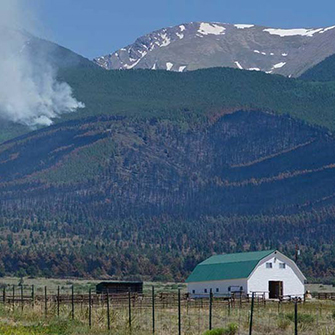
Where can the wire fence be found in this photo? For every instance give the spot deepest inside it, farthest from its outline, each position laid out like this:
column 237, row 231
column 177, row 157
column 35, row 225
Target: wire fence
column 170, row 312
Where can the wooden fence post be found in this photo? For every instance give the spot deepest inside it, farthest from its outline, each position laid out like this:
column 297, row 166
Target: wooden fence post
column 90, row 308
column 296, row 317
column 72, row 302
column 129, row 308
column 33, row 296
column 4, row 295
column 58, row 300
column 46, row 301
column 179, row 312
column 21, row 297
column 13, row 297
column 153, row 309
column 210, row 308
column 251, row 313
column 108, row 312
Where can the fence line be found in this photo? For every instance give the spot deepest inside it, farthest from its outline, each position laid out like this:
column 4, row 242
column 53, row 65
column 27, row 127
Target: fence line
column 158, row 313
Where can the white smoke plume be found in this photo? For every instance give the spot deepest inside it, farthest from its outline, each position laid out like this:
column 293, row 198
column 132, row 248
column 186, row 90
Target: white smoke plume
column 29, row 91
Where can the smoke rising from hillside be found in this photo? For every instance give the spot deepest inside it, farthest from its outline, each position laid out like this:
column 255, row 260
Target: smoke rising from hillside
column 29, row 91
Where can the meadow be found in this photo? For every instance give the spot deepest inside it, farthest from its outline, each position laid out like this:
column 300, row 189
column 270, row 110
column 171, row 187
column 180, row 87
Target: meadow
column 232, row 317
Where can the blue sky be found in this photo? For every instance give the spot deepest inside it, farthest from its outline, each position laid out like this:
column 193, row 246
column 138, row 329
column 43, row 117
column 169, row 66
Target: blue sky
column 94, row 28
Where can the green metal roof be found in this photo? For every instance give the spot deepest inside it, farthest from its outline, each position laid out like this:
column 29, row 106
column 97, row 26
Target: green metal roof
column 229, row 266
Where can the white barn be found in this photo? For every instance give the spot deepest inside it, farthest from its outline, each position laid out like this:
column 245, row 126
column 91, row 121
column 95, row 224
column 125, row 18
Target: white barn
column 263, row 272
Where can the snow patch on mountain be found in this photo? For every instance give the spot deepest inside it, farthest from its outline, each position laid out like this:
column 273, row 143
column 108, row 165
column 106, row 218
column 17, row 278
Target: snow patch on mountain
column 142, row 53
column 169, row 66
column 327, row 29
column 244, row 26
column 238, row 65
column 211, row 29
column 131, row 66
column 293, row 32
column 165, row 40
column 279, row 65
column 260, row 52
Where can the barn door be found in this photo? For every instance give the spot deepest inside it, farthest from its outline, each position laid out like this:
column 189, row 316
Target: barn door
column 275, row 289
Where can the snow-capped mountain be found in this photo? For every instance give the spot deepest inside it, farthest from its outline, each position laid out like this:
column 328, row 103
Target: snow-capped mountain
column 199, row 45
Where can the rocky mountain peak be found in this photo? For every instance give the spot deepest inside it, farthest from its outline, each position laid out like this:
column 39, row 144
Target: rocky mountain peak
column 197, row 45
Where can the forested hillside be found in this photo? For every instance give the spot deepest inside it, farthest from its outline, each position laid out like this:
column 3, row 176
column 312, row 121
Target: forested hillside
column 150, row 197
column 324, row 71
column 203, row 93
column 161, row 169
column 192, row 96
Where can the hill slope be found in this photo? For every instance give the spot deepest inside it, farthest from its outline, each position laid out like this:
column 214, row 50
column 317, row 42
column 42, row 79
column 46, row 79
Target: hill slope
column 58, row 57
column 162, row 169
column 207, row 165
column 197, row 45
column 324, row 71
column 198, row 94
column 191, row 95
column 150, row 197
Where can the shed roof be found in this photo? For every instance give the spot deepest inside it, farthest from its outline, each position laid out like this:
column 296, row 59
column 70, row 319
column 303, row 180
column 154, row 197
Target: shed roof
column 115, row 282
column 229, row 266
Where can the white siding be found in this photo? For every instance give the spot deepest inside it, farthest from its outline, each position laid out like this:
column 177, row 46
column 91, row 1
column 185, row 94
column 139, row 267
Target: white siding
column 293, row 281
column 222, row 285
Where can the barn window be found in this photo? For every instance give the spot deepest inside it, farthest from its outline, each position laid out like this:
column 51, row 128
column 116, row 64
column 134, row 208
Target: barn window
column 205, row 290
column 269, row 265
column 193, row 291
column 229, row 288
column 282, row 266
column 217, row 290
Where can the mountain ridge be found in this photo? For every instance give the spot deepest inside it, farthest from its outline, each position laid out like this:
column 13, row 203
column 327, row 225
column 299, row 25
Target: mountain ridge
column 196, row 45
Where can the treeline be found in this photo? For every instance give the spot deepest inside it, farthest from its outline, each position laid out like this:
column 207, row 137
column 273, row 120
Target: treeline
column 159, row 248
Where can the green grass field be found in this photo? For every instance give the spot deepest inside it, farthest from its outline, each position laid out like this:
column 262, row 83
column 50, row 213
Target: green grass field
column 315, row 317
